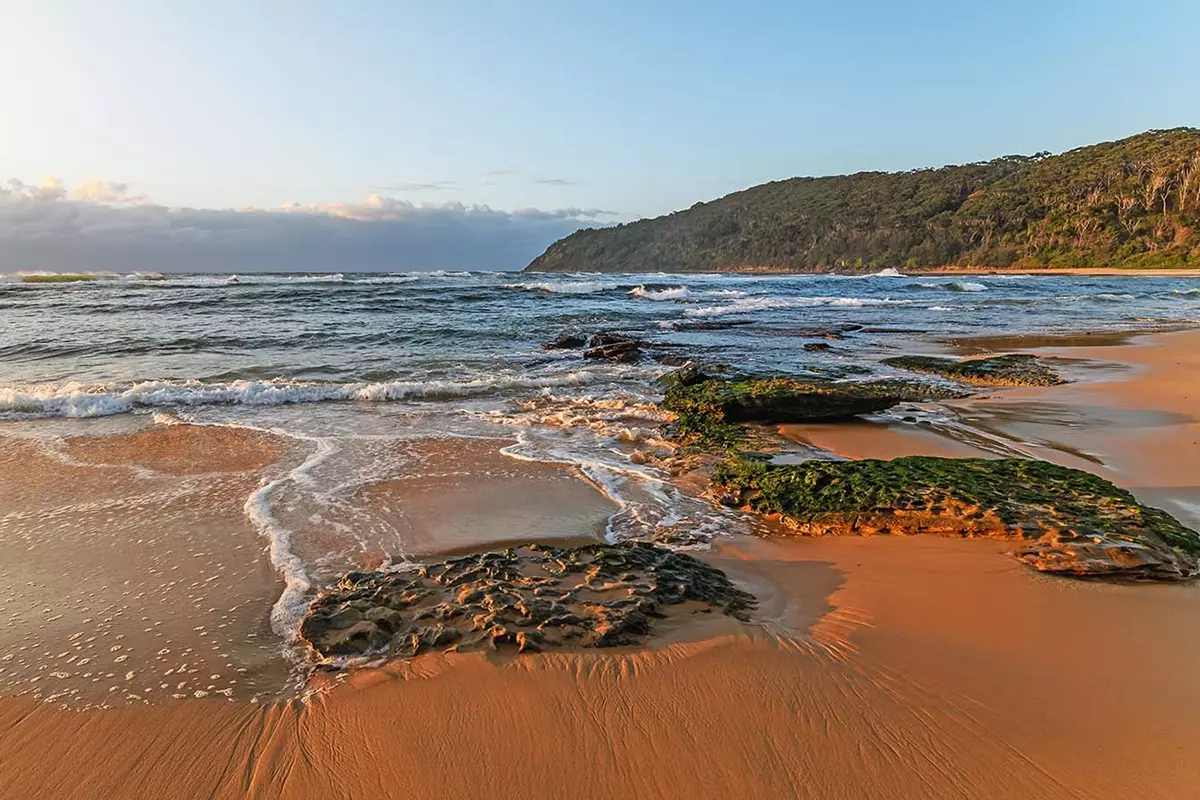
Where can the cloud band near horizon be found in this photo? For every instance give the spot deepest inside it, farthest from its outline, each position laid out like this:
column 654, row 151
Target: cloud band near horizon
column 101, row 225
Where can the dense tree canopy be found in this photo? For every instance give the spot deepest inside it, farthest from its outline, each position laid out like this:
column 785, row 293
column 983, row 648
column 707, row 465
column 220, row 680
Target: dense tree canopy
column 1131, row 203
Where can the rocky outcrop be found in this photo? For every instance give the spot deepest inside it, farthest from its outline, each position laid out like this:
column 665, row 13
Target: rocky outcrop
column 1007, row 370
column 1064, row 520
column 523, row 599
column 711, row 408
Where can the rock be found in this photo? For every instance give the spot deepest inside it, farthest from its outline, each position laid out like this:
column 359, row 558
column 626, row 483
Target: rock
column 605, row 338
column 709, row 410
column 816, row 347
column 621, row 352
column 527, row 599
column 566, row 341
column 1066, row 521
column 689, row 375
column 1007, row 370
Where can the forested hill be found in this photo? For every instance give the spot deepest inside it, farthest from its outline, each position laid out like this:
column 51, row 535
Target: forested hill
column 1131, row 203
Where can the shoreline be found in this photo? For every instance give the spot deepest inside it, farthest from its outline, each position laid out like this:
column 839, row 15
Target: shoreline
column 887, row 667
column 1153, row 272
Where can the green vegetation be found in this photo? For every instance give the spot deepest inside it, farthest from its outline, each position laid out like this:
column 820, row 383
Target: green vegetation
column 1028, row 496
column 1006, row 370
column 65, row 277
column 1133, row 203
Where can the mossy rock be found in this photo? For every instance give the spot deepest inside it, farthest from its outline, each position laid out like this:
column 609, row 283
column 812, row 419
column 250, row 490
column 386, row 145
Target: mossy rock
column 711, row 408
column 1069, row 521
column 1007, row 370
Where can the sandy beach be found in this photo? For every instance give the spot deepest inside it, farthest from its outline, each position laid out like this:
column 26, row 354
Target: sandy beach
column 883, row 667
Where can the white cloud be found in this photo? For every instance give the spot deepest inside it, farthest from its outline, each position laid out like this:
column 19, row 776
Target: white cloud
column 103, row 225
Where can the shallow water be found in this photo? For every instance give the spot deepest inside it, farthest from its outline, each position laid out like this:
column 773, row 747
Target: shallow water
column 354, row 373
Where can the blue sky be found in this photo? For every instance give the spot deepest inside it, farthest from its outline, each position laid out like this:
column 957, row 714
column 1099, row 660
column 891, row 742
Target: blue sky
column 631, row 108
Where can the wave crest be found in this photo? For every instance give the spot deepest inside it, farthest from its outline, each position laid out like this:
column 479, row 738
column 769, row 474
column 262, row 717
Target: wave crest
column 81, row 400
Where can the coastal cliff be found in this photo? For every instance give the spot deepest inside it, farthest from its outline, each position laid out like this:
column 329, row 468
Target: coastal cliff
column 1133, row 203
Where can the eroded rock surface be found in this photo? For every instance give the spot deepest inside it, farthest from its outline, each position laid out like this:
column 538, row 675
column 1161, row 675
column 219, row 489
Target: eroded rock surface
column 522, row 599
column 1007, row 370
column 1068, row 521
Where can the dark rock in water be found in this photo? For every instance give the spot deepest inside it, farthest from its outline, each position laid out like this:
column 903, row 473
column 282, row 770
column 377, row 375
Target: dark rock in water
column 716, row 325
column 1006, row 370
column 816, row 347
column 523, row 599
column 566, row 341
column 614, row 347
column 623, row 352
column 673, row 359
column 1065, row 520
column 709, row 409
column 604, row 338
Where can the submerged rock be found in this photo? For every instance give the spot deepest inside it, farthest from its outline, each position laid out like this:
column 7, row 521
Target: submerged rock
column 523, row 599
column 566, row 341
column 1068, row 521
column 1007, row 370
column 816, row 347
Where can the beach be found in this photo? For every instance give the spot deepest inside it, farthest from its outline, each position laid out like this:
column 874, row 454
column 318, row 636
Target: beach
column 874, row 666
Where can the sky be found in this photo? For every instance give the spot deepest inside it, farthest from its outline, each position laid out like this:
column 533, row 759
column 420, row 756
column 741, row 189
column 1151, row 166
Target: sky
column 158, row 134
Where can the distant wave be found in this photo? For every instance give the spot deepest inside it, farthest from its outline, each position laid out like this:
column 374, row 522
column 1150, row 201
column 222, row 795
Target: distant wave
column 672, row 293
column 952, row 286
column 767, row 303
column 81, row 400
column 1185, row 291
column 568, row 287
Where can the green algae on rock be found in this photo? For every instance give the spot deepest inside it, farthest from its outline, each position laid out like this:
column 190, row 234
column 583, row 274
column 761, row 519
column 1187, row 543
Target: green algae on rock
column 524, row 599
column 710, row 408
column 1069, row 521
column 1006, row 370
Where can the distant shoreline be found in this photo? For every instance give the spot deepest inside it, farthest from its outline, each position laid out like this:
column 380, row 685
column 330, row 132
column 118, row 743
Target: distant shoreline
column 1188, row 272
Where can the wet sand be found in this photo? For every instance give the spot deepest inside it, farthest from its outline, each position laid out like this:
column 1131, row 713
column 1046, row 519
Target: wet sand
column 469, row 495
column 882, row 667
column 128, row 569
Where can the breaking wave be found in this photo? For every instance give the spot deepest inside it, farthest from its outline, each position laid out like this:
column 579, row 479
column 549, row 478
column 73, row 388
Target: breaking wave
column 671, row 293
column 81, row 400
column 569, row 287
column 768, row 303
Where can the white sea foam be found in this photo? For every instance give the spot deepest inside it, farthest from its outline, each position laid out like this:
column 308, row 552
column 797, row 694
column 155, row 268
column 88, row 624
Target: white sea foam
column 767, row 303
column 966, row 286
column 83, row 400
column 1185, row 291
column 292, row 604
column 567, row 287
column 673, row 293
column 890, row 272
